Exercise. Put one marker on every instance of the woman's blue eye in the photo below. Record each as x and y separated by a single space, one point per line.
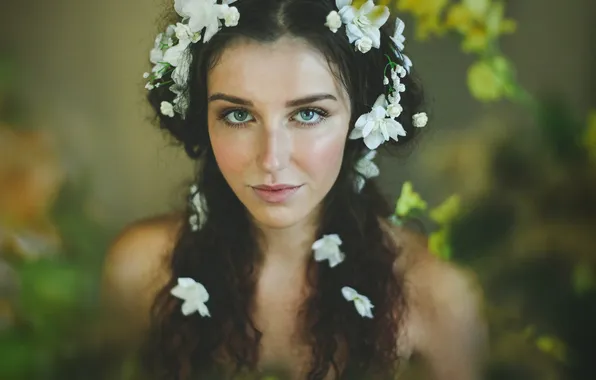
308 116
238 117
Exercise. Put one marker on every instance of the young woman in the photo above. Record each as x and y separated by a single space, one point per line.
285 255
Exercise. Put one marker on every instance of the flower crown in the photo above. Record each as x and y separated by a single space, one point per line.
200 20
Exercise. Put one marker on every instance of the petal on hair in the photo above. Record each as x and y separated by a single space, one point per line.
349 293
378 113
380 102
355 134
368 128
375 36
362 120
373 140
203 310
342 3
353 32
383 128
366 8
347 14
188 308
382 15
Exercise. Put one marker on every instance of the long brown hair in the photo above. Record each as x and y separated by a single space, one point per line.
224 255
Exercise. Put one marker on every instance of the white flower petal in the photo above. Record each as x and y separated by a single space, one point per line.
355 134
353 32
347 14
362 120
349 293
395 128
186 282
327 248
173 54
380 102
188 308
167 109
359 182
231 17
378 113
364 44
366 8
420 119
373 140
394 110
407 62
204 311
383 129
368 128
333 21
381 13
362 303
342 3
363 307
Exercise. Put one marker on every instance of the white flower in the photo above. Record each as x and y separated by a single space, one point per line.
195 11
367 169
398 36
398 70
159 69
385 81
407 62
180 102
212 20
399 87
194 295
364 21
201 14
362 303
173 55
327 248
146 75
156 54
199 205
182 70
394 110
420 119
231 16
167 109
375 127
149 86
364 44
183 33
394 98
333 21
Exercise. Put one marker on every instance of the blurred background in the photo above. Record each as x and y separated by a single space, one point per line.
504 179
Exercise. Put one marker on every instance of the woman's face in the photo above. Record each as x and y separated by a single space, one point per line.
278 121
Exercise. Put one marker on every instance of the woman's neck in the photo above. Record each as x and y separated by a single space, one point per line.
289 246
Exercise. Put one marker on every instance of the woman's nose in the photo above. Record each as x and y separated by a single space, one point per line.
275 150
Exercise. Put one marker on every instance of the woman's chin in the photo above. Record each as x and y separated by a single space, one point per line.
277 217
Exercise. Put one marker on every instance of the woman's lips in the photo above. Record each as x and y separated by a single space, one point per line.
275 193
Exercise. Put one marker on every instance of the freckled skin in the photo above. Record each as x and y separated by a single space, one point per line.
274 147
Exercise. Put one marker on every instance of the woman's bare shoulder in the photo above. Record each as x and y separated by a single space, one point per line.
136 265
445 323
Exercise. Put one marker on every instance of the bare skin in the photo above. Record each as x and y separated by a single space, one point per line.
444 326
285 120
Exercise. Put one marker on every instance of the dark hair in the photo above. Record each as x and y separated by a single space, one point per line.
224 255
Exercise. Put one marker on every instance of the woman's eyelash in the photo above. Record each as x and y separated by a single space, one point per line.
223 116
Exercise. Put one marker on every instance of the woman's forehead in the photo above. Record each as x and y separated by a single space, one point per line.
286 69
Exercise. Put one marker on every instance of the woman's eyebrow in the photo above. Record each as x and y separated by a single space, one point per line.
291 103
309 99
